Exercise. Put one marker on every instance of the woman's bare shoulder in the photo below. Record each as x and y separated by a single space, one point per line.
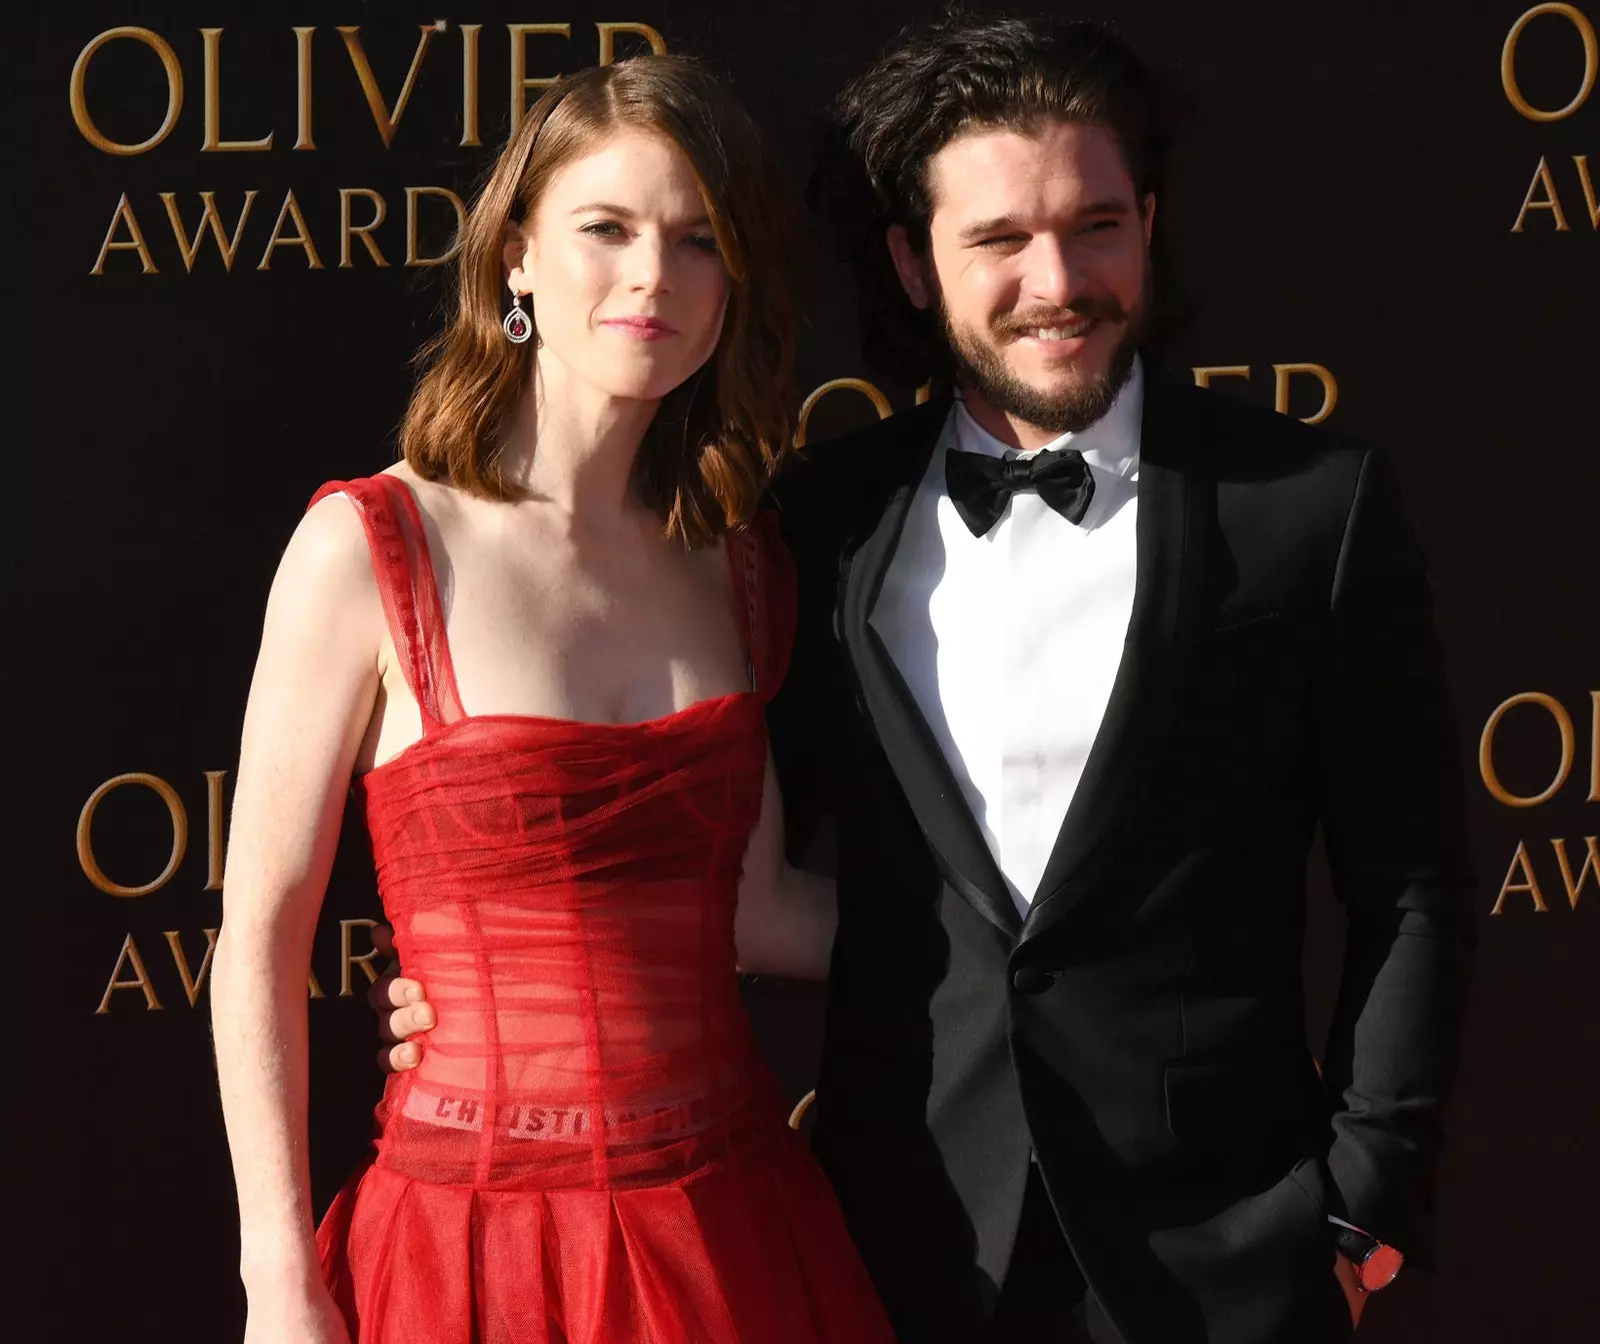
439 501
325 619
327 558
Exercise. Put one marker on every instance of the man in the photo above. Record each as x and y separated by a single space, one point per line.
1086 656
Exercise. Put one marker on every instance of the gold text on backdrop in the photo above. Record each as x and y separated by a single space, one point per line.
1522 876
292 229
1543 195
1203 375
1522 879
384 117
179 817
1568 738
1281 374
212 37
1591 61
126 235
131 972
180 835
80 105
209 219
870 391
1545 188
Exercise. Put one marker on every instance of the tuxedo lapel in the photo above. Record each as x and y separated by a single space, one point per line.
914 754
1177 506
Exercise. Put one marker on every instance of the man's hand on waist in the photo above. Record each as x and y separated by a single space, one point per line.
403 1011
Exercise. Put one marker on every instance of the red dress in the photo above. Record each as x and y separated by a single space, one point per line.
591 1151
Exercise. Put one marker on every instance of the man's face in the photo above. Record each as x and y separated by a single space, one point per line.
1038 265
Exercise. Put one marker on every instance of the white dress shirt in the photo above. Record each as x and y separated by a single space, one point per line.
1010 642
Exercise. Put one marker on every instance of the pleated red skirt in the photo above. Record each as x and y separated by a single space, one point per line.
740 1252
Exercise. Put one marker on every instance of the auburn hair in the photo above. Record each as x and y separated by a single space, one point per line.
716 440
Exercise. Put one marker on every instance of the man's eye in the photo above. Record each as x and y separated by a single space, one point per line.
1003 240
1101 225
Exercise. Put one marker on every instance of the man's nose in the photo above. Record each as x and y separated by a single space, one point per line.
1054 275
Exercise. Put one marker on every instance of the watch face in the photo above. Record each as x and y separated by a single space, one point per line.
1378 1270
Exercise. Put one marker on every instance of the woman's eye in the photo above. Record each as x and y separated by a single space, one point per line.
704 242
603 228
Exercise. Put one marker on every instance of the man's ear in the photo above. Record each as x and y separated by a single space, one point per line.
1149 217
514 258
911 266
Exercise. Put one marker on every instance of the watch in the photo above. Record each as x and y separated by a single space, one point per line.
1376 1264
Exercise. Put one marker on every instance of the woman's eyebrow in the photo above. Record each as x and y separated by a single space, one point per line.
622 211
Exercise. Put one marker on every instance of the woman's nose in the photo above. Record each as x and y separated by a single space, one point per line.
649 266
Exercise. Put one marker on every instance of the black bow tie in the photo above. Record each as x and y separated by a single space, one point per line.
981 487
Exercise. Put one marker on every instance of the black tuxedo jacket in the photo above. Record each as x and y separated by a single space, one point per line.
1141 1033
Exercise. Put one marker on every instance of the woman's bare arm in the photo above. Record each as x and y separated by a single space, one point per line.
311 700
786 916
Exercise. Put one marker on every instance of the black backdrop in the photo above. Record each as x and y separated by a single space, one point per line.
1361 188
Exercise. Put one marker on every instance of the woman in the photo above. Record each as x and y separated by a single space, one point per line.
543 644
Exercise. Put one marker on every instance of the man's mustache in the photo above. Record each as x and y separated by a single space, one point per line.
1105 308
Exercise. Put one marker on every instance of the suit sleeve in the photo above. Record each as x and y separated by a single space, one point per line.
1392 801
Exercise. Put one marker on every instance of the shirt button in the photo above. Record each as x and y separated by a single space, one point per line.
1030 980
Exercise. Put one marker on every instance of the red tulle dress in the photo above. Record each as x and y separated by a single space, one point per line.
591 1151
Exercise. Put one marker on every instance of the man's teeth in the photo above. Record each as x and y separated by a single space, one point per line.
1061 333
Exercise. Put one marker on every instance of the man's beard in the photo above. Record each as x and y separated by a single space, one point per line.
980 366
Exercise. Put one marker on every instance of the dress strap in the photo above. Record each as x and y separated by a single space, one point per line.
764 582
403 567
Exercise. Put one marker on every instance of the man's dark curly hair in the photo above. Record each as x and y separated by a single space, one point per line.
873 145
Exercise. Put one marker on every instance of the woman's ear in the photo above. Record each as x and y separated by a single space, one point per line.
910 265
516 261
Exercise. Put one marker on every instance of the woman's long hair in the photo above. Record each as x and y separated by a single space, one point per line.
716 439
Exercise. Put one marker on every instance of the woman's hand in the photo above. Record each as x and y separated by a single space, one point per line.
306 1316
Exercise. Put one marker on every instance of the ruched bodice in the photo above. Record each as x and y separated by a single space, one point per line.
566 893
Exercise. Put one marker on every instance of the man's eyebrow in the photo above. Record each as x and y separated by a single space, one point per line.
1005 223
984 227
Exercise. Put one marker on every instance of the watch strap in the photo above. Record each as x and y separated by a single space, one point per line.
1354 1244
1376 1264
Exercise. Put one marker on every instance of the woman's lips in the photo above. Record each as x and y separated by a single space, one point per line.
640 328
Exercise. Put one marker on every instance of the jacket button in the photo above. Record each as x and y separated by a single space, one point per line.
1030 980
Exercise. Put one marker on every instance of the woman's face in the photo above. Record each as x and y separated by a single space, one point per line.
627 284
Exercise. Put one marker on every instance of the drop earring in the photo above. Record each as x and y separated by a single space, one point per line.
518 326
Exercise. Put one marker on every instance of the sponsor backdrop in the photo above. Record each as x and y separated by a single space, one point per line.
228 225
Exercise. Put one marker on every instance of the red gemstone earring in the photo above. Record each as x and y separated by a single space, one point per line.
518 326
